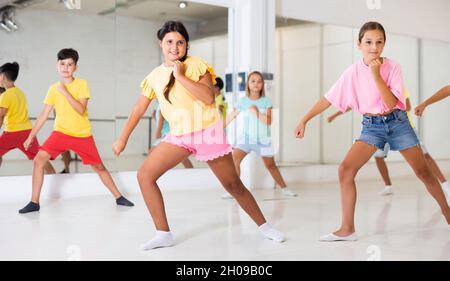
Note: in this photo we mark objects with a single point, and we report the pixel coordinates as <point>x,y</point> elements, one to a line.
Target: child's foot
<point>161,239</point>
<point>64,172</point>
<point>287,192</point>
<point>124,202</point>
<point>271,233</point>
<point>332,237</point>
<point>386,191</point>
<point>31,207</point>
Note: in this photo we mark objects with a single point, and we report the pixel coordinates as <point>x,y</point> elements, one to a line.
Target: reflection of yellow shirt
<point>406,93</point>
<point>16,118</point>
<point>220,101</point>
<point>185,113</point>
<point>68,121</point>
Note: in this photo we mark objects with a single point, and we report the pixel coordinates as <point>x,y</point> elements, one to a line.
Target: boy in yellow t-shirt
<point>72,129</point>
<point>14,116</point>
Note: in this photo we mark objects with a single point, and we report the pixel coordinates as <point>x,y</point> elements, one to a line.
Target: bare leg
<point>162,158</point>
<point>49,169</point>
<point>106,178</point>
<point>356,157</point>
<point>238,156</point>
<point>224,169</point>
<point>270,164</point>
<point>66,159</point>
<point>39,163</point>
<point>187,163</point>
<point>382,168</point>
<point>435,168</point>
<point>416,160</point>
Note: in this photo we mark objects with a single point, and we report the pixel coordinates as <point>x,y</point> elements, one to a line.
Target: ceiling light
<point>4,26</point>
<point>72,4</point>
<point>182,5</point>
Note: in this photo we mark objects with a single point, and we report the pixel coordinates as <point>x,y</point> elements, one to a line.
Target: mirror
<point>43,28</point>
<point>312,56</point>
<point>138,52</point>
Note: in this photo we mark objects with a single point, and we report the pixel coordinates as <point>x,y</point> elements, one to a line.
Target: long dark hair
<point>173,26</point>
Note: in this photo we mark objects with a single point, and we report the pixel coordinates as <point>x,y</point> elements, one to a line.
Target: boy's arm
<point>318,108</point>
<point>79,106</point>
<point>202,90</point>
<point>3,112</point>
<point>439,95</point>
<point>138,111</point>
<point>38,125</point>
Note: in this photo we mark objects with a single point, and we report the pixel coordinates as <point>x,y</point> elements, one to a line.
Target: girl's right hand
<point>118,146</point>
<point>300,130</point>
<point>419,109</point>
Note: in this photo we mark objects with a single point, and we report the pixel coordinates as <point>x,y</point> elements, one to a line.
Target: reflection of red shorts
<point>13,140</point>
<point>58,142</point>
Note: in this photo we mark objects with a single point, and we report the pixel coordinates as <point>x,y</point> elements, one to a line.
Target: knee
<point>144,175</point>
<point>98,168</point>
<point>40,159</point>
<point>235,187</point>
<point>346,172</point>
<point>424,174</point>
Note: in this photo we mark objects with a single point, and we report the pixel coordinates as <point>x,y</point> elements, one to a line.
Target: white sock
<point>287,192</point>
<point>271,233</point>
<point>161,239</point>
<point>387,190</point>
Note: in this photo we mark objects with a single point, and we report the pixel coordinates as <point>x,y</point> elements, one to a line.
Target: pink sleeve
<point>338,93</point>
<point>396,86</point>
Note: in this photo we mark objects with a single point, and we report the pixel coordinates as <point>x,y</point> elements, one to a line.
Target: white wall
<point>418,18</point>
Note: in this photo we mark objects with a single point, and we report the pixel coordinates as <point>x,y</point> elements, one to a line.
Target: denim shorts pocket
<point>366,123</point>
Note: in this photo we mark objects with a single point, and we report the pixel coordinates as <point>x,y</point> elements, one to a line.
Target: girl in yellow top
<point>183,86</point>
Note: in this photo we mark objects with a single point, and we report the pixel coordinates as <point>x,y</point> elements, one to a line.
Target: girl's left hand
<point>178,69</point>
<point>375,66</point>
<point>254,109</point>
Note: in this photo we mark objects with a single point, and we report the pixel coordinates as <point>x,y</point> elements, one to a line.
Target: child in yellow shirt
<point>72,130</point>
<point>14,116</point>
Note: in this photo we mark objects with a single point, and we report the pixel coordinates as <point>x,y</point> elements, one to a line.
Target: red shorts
<point>12,140</point>
<point>58,142</point>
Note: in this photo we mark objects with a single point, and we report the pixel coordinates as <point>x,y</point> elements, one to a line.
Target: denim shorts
<point>393,129</point>
<point>262,150</point>
<point>384,153</point>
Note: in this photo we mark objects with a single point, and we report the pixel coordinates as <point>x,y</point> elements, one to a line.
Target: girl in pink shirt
<point>179,86</point>
<point>373,86</point>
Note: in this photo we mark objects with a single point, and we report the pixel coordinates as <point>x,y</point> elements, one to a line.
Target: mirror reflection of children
<point>162,129</point>
<point>220,101</point>
<point>381,154</point>
<point>255,134</point>
<point>14,117</point>
<point>69,98</point>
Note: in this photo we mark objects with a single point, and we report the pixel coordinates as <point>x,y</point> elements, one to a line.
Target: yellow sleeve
<point>84,91</point>
<point>50,98</point>
<point>5,101</point>
<point>406,93</point>
<point>147,89</point>
<point>197,67</point>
